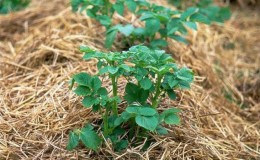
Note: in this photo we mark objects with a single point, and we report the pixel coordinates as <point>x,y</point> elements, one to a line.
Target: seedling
<point>150,74</point>
<point>7,6</point>
<point>161,23</point>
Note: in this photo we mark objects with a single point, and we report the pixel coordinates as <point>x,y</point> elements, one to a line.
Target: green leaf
<point>119,7</point>
<point>170,116</point>
<point>104,20</point>
<point>97,2</point>
<point>126,116</point>
<point>82,91</point>
<point>88,101</point>
<point>85,49</point>
<point>83,79</point>
<point>152,26</point>
<point>135,94</point>
<point>141,110</point>
<point>172,81</point>
<point>158,43</point>
<point>190,11</point>
<point>172,119</point>
<point>110,38</point>
<point>73,141</point>
<point>103,70</point>
<point>178,38</point>
<point>197,17</point>
<point>113,70</point>
<point>95,83</point>
<point>191,25</point>
<point>172,95</point>
<point>91,55</point>
<point>146,83</point>
<point>131,5</point>
<point>90,139</point>
<point>185,74</point>
<point>161,130</point>
<point>96,108</point>
<point>125,67</point>
<point>71,83</point>
<point>118,121</point>
<point>102,91</point>
<point>147,122</point>
<point>126,30</point>
<point>120,145</point>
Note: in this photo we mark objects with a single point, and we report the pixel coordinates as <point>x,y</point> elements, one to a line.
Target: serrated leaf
<point>88,101</point>
<point>82,91</point>
<point>83,79</point>
<point>73,141</point>
<point>147,122</point>
<point>146,83</point>
<point>90,138</point>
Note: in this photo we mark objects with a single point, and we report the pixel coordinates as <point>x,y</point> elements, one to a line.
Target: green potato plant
<point>150,74</point>
<point>161,23</point>
<point>7,6</point>
<point>207,8</point>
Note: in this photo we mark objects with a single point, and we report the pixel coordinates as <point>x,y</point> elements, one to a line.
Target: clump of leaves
<point>161,23</point>
<point>7,6</point>
<point>151,75</point>
<point>207,8</point>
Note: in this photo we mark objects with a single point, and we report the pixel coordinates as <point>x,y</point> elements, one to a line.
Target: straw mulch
<point>39,54</point>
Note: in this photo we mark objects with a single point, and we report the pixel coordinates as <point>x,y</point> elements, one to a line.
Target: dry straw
<point>39,53</point>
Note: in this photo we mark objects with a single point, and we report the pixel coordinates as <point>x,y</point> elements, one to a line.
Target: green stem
<point>155,99</point>
<point>114,86</point>
<point>105,117</point>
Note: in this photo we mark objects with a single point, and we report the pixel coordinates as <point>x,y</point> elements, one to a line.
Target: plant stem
<point>155,99</point>
<point>105,117</point>
<point>114,86</point>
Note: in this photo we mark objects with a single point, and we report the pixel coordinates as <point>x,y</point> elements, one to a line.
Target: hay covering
<point>39,53</point>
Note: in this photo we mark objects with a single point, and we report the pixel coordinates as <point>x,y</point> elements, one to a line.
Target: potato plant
<point>150,74</point>
<point>161,23</point>
<point>7,6</point>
